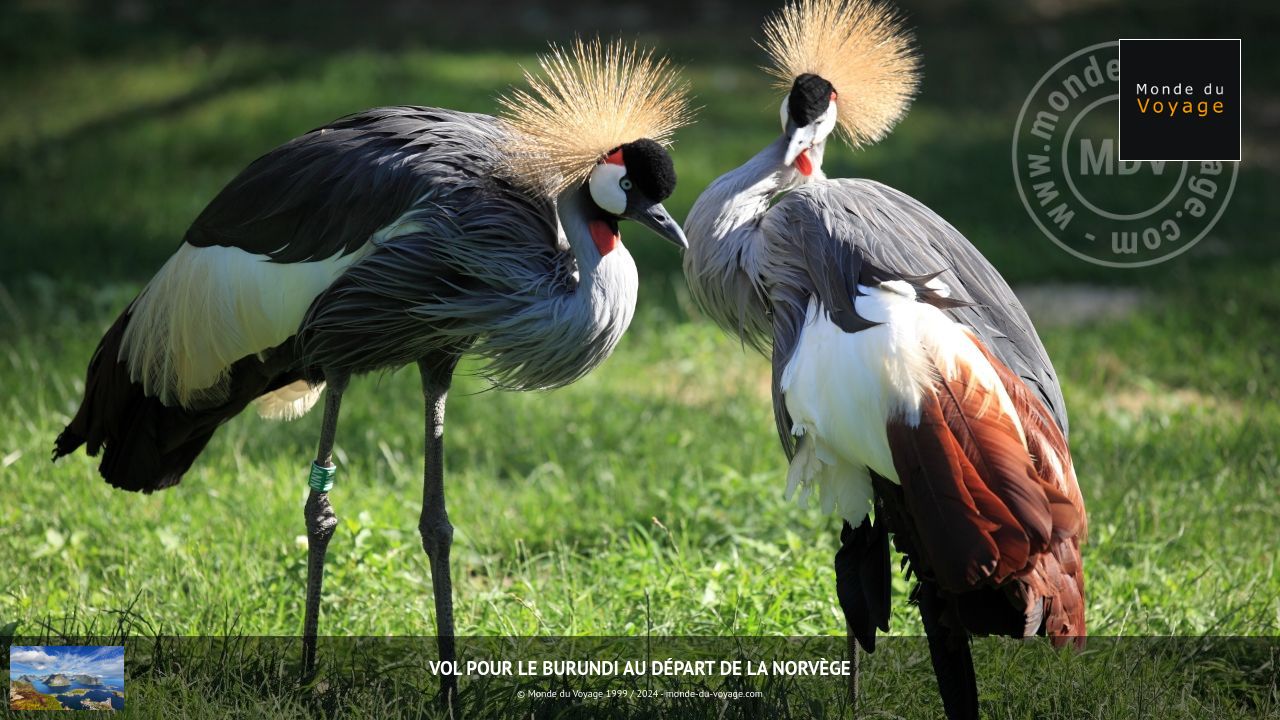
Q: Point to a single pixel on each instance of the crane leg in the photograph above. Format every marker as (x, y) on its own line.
(855, 662)
(320, 519)
(952, 659)
(433, 524)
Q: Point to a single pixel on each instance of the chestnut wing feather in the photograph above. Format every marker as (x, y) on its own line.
(989, 508)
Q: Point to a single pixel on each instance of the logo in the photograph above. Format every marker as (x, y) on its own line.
(1180, 100)
(1101, 209)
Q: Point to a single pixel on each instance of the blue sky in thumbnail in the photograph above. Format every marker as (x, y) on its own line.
(105, 661)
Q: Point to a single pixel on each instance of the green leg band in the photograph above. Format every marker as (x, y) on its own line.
(321, 479)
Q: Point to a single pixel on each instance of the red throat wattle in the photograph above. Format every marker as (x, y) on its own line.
(804, 164)
(605, 236)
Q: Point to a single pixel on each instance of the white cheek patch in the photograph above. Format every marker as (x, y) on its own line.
(783, 113)
(826, 123)
(605, 188)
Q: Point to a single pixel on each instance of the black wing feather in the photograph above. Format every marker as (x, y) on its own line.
(862, 580)
(326, 192)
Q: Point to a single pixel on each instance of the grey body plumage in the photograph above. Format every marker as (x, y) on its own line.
(893, 230)
(463, 259)
(755, 260)
(725, 260)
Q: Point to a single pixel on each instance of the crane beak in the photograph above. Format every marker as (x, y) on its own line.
(800, 141)
(656, 218)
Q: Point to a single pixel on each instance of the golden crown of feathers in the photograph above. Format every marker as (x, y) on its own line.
(589, 99)
(860, 47)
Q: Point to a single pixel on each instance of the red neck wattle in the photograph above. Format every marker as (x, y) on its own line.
(604, 236)
(804, 164)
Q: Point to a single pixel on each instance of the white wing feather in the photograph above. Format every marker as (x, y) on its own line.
(842, 389)
(211, 306)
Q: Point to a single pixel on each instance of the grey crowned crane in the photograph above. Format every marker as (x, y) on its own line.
(910, 389)
(395, 235)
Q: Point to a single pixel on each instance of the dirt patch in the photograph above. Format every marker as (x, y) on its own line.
(1167, 401)
(1056, 305)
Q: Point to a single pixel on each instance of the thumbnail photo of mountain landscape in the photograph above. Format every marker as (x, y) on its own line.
(57, 677)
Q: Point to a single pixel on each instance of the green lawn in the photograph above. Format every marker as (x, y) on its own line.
(647, 498)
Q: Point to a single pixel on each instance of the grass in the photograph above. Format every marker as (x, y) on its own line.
(643, 500)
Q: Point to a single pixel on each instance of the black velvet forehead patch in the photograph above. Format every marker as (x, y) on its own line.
(649, 166)
(810, 95)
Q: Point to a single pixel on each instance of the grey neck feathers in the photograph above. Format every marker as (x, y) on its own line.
(561, 337)
(726, 246)
(608, 285)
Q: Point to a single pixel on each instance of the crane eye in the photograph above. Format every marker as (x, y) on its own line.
(624, 183)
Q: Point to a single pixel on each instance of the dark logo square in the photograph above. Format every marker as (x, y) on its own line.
(1179, 100)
